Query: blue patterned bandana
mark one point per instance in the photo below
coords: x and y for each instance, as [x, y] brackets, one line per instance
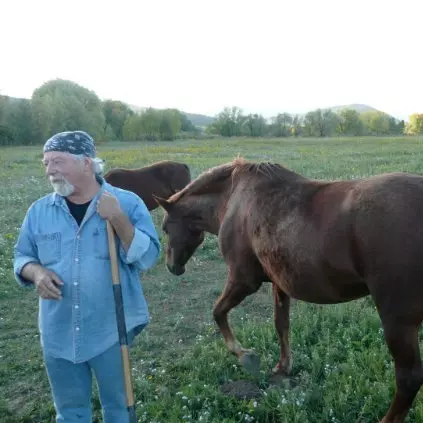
[74, 142]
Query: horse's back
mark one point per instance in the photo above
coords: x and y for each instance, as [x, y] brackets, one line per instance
[161, 178]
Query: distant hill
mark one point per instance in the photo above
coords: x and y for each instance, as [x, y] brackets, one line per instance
[199, 120]
[360, 108]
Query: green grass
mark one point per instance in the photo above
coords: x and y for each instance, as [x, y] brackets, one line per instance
[342, 369]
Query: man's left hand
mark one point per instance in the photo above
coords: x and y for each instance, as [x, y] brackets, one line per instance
[108, 206]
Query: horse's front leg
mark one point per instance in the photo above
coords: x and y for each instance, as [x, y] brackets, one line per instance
[236, 289]
[281, 318]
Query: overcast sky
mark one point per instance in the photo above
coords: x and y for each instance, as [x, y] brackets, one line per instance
[200, 56]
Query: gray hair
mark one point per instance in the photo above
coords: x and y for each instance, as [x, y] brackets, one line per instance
[96, 163]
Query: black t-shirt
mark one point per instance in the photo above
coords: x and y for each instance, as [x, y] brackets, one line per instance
[77, 210]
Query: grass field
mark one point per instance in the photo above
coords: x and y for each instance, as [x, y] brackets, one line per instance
[341, 365]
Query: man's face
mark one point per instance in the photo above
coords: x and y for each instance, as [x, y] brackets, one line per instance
[63, 171]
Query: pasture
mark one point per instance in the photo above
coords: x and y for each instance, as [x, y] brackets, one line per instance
[342, 371]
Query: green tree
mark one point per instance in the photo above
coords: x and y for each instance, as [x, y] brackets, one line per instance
[229, 122]
[349, 122]
[150, 124]
[254, 125]
[61, 105]
[400, 127]
[296, 126]
[16, 120]
[375, 122]
[320, 123]
[170, 124]
[115, 114]
[415, 124]
[281, 125]
[42, 107]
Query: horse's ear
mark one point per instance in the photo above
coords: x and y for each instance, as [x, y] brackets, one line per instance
[162, 202]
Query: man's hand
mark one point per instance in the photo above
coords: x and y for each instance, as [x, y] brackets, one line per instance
[47, 283]
[108, 207]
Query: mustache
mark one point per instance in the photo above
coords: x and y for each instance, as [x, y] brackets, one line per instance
[57, 179]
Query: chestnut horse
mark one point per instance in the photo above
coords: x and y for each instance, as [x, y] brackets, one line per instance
[322, 242]
[162, 178]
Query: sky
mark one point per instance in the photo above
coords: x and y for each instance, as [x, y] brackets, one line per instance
[200, 56]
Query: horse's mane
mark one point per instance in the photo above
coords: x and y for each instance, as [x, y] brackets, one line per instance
[207, 180]
[268, 169]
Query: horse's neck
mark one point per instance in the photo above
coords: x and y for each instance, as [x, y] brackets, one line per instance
[207, 209]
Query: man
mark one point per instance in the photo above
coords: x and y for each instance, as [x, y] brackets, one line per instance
[62, 250]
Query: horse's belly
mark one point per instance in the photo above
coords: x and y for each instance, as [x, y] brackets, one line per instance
[321, 288]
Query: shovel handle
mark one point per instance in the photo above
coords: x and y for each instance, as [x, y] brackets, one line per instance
[121, 324]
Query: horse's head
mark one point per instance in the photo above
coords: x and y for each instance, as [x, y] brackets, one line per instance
[183, 233]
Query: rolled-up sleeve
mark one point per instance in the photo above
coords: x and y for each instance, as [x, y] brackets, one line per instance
[145, 246]
[25, 251]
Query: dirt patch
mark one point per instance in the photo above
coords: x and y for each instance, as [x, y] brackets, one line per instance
[241, 389]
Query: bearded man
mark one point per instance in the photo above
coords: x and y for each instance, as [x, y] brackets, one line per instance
[62, 251]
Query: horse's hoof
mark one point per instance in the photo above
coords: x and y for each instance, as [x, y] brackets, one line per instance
[251, 363]
[278, 370]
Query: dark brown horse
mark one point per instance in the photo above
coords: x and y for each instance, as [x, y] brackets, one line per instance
[161, 178]
[322, 242]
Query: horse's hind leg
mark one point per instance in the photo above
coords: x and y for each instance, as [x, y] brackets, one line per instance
[234, 292]
[403, 344]
[281, 317]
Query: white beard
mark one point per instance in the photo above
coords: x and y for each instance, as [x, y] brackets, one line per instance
[62, 187]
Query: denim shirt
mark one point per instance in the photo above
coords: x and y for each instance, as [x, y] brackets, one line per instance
[83, 324]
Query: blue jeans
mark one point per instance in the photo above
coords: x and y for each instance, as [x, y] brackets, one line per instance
[71, 386]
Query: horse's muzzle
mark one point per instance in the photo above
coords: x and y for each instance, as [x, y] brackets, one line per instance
[176, 269]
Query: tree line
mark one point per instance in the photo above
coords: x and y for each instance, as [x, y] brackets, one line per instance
[61, 105]
[316, 123]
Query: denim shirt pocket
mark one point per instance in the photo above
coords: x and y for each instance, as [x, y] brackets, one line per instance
[49, 247]
[101, 245]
